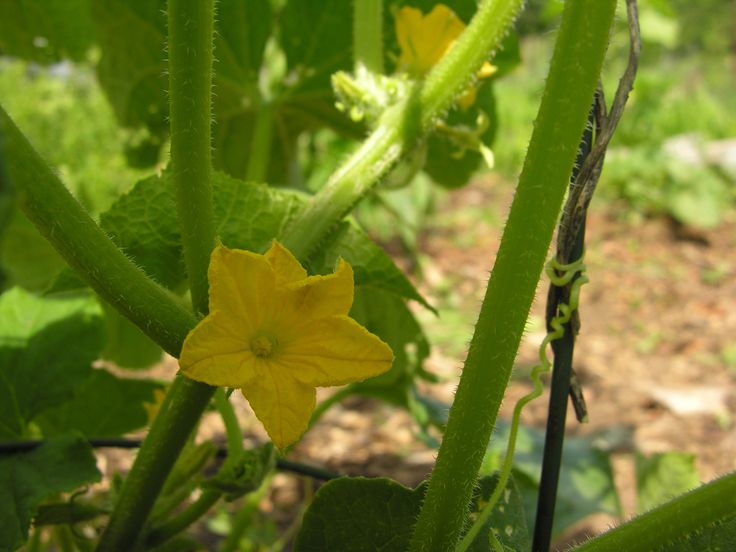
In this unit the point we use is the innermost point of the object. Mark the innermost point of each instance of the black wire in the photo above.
(282, 464)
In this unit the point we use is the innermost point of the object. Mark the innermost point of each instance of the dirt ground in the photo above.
(656, 355)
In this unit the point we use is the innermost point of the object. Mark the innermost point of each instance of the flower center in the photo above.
(262, 346)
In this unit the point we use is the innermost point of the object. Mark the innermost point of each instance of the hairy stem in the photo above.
(401, 127)
(86, 248)
(191, 24)
(685, 515)
(574, 70)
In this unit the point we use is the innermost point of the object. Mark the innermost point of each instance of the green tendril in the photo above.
(560, 275)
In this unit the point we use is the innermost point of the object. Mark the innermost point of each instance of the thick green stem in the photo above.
(685, 515)
(184, 519)
(260, 150)
(184, 404)
(401, 127)
(86, 248)
(232, 426)
(368, 35)
(574, 71)
(191, 24)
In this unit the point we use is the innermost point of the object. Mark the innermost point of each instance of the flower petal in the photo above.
(241, 283)
(285, 265)
(215, 353)
(282, 404)
(425, 39)
(316, 297)
(336, 351)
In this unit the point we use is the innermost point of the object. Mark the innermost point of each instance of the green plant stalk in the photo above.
(232, 426)
(191, 27)
(368, 35)
(184, 519)
(685, 515)
(180, 412)
(400, 128)
(574, 70)
(260, 151)
(243, 518)
(87, 249)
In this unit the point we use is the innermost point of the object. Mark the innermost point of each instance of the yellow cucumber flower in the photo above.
(425, 39)
(275, 333)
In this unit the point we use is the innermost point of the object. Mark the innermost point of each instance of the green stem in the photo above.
(86, 248)
(184, 519)
(182, 407)
(232, 426)
(685, 515)
(574, 70)
(191, 25)
(400, 128)
(260, 150)
(368, 35)
(244, 517)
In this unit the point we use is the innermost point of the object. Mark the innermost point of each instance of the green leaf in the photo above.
(26, 257)
(132, 73)
(387, 316)
(46, 31)
(660, 477)
(38, 367)
(26, 479)
(243, 474)
(131, 70)
(370, 263)
(103, 406)
(355, 514)
(127, 346)
(586, 479)
(507, 521)
(719, 537)
(143, 223)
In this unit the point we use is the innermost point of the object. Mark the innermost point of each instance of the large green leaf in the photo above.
(26, 479)
(103, 406)
(127, 346)
(719, 537)
(45, 31)
(586, 478)
(660, 477)
(26, 257)
(132, 73)
(46, 347)
(143, 223)
(387, 316)
(354, 514)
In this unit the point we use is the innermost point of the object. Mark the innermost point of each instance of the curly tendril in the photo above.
(560, 275)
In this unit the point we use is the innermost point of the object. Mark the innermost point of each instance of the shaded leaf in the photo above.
(586, 479)
(38, 368)
(127, 346)
(661, 477)
(26, 479)
(719, 537)
(46, 31)
(143, 223)
(103, 406)
(355, 514)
